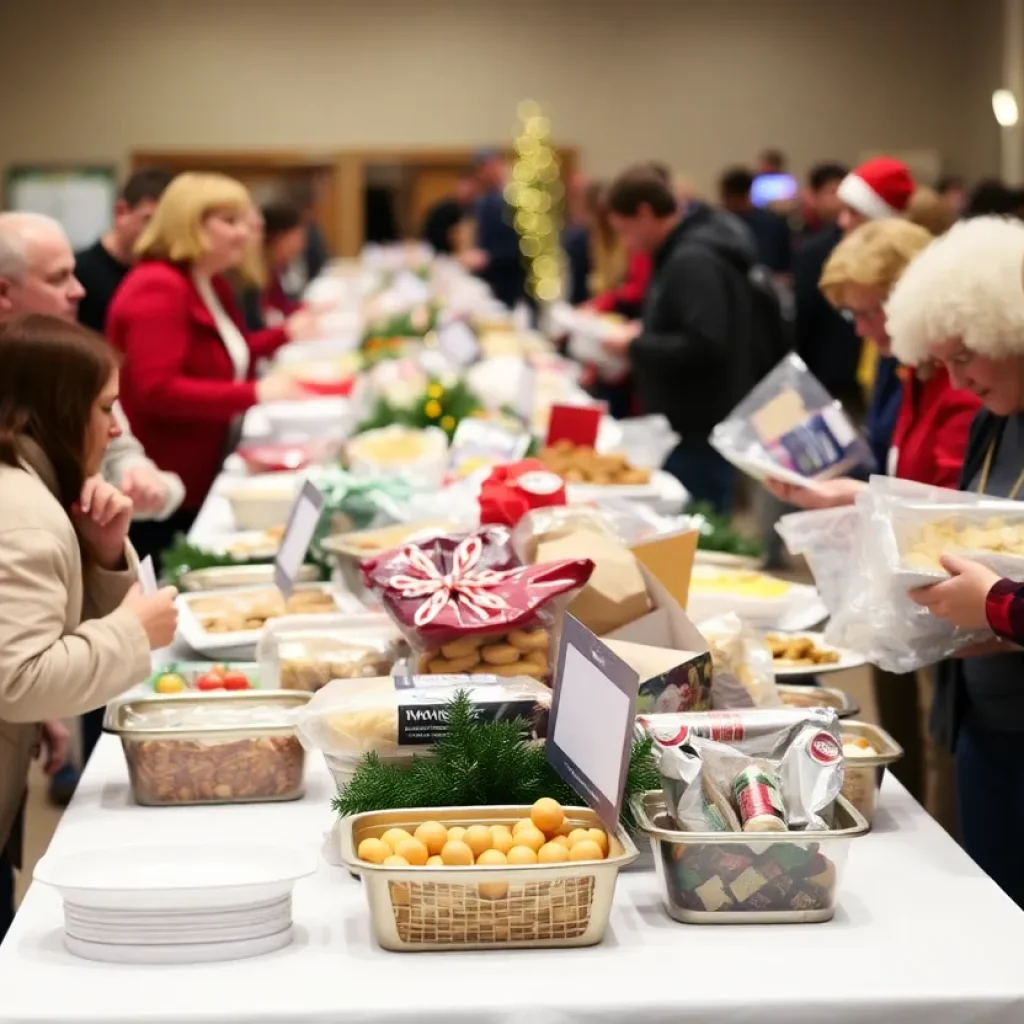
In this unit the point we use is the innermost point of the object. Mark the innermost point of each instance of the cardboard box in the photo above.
(670, 561)
(615, 594)
(669, 653)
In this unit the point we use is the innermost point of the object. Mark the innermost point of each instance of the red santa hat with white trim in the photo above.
(878, 188)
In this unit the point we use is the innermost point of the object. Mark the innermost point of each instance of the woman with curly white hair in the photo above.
(961, 304)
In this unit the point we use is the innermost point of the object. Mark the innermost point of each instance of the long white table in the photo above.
(920, 935)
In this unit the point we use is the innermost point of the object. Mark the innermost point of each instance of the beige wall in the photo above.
(700, 83)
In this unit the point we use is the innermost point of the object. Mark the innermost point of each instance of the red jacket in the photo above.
(930, 438)
(177, 381)
(633, 289)
(275, 302)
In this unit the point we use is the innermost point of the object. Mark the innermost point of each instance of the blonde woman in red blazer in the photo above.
(189, 364)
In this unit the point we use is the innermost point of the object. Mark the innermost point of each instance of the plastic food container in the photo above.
(796, 696)
(420, 456)
(190, 672)
(211, 748)
(417, 909)
(262, 502)
(348, 550)
(742, 878)
(227, 623)
(300, 653)
(862, 778)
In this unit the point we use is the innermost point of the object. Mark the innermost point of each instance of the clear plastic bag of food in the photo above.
(758, 770)
(466, 604)
(825, 538)
(306, 653)
(744, 669)
(877, 617)
(398, 718)
(790, 428)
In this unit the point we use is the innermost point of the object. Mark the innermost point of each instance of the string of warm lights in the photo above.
(535, 193)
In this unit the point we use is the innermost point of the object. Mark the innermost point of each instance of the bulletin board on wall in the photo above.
(81, 198)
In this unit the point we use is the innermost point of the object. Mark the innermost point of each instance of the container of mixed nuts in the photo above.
(211, 748)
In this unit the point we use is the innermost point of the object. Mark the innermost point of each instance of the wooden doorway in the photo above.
(267, 175)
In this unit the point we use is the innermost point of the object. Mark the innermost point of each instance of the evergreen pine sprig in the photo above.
(477, 764)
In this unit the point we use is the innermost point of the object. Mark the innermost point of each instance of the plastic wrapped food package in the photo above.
(306, 653)
(877, 617)
(790, 428)
(743, 664)
(466, 604)
(397, 718)
(825, 538)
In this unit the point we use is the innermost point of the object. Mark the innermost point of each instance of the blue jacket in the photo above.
(496, 235)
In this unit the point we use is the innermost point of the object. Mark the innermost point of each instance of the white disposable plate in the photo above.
(198, 953)
(847, 659)
(156, 878)
(177, 937)
(173, 922)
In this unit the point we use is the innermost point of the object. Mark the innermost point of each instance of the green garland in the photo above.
(440, 405)
(718, 534)
(477, 764)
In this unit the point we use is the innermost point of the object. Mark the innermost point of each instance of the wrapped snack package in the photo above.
(306, 653)
(825, 537)
(763, 770)
(466, 605)
(877, 617)
(789, 428)
(397, 718)
(744, 669)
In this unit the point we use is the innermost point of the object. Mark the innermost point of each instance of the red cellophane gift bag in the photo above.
(467, 606)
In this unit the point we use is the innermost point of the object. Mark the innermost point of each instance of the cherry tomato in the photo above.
(210, 681)
(236, 681)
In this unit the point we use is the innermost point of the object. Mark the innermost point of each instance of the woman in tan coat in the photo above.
(75, 631)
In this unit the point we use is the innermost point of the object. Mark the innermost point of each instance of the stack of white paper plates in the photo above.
(176, 905)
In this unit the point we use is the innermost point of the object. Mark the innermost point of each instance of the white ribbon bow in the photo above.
(462, 585)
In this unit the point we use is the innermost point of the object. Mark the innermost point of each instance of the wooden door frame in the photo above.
(340, 209)
(257, 160)
(350, 180)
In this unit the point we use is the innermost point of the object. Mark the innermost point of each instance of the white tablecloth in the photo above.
(920, 935)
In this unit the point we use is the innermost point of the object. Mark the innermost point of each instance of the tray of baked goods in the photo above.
(806, 654)
(226, 624)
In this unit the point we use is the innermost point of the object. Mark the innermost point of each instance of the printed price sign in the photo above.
(298, 535)
(590, 733)
(522, 404)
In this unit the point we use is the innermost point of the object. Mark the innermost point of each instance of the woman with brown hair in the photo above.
(75, 630)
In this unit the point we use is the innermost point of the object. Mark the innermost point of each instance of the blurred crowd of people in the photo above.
(125, 370)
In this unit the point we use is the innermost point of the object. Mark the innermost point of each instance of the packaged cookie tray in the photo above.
(401, 717)
(743, 878)
(211, 748)
(863, 772)
(418, 909)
